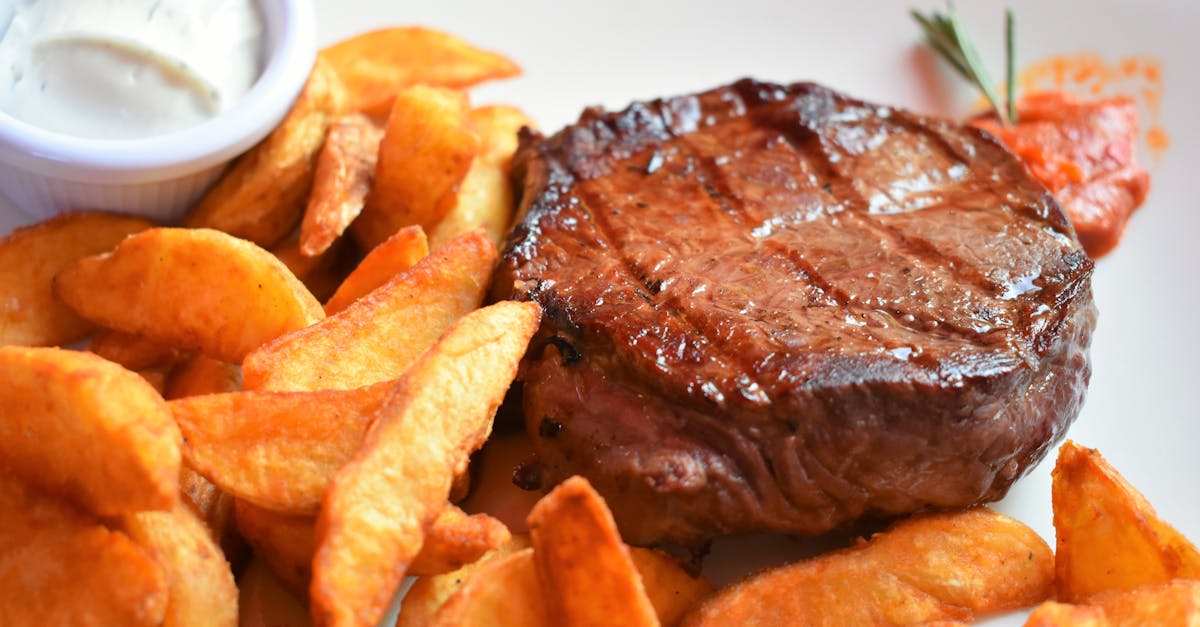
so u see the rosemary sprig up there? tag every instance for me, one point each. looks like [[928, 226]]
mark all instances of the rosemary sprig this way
[[945, 33]]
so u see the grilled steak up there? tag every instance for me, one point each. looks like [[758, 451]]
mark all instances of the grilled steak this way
[[777, 308]]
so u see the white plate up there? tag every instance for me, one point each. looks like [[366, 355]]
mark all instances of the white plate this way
[[1141, 410]]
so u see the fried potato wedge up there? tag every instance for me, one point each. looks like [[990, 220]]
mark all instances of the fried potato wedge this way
[[344, 170], [262, 196], [378, 506], [60, 567], [455, 539], [494, 492], [485, 197], [380, 335], [1108, 536], [190, 288], [394, 255], [428, 593], [582, 564], [278, 450], [200, 374], [132, 351], [263, 601], [215, 508], [427, 148], [483, 592], [671, 589], [284, 542], [504, 592], [1054, 614], [377, 65], [83, 427], [321, 273], [922, 569], [30, 256], [1176, 602], [199, 580]]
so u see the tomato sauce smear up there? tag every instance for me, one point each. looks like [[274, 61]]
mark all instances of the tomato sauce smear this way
[[1083, 151]]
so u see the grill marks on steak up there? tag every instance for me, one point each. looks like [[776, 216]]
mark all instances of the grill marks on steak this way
[[793, 309]]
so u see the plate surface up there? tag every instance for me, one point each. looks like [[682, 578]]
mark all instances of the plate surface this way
[[1141, 410]]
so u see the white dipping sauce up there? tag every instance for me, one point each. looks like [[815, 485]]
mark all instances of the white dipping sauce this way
[[122, 69]]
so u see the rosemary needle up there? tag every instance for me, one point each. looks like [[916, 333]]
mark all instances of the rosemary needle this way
[[946, 34]]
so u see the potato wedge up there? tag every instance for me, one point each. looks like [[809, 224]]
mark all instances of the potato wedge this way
[[377, 65], [278, 450], [83, 427], [284, 542], [263, 601], [345, 167], [30, 256], [673, 592], [148, 286], [394, 255], [132, 351], [262, 197], [428, 593], [455, 539], [1054, 614], [1108, 535], [485, 197], [427, 148], [321, 273], [200, 374], [582, 564], [443, 407], [922, 569], [199, 580], [215, 508], [488, 591], [60, 567], [494, 492], [1176, 602], [379, 336], [504, 592]]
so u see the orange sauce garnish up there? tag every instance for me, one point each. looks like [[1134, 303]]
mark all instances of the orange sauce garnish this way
[[1139, 77]]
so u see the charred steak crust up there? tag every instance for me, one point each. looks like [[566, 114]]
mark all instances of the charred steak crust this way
[[777, 308]]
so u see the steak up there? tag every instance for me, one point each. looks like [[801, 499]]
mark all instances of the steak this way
[[778, 308]]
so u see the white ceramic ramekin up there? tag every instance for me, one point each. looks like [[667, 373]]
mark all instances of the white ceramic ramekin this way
[[45, 173]]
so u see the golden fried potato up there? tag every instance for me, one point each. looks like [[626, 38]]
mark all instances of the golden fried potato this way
[[378, 506], [190, 288], [456, 538], [199, 580], [262, 196], [132, 351], [344, 170], [321, 273], [495, 493], [377, 65], [30, 256], [428, 593], [485, 197], [200, 374], [380, 335], [1108, 535], [1176, 602], [671, 589], [922, 569], [215, 508], [584, 568], [394, 255], [427, 148], [264, 602], [278, 450], [60, 567], [85, 428], [1054, 614], [503, 592], [284, 542]]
